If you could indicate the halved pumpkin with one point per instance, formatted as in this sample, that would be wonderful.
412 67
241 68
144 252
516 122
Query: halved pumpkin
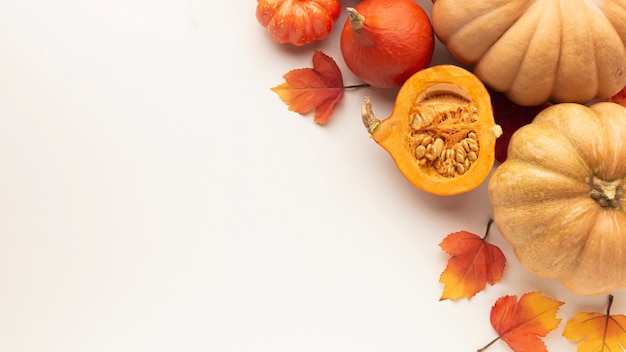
441 133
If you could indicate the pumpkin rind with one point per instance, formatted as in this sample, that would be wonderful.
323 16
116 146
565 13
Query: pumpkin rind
395 133
537 51
541 196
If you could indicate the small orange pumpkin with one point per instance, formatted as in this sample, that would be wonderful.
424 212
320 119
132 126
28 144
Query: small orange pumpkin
441 133
559 200
384 42
298 22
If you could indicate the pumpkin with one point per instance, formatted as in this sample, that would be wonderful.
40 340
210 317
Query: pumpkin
537 51
441 133
298 22
384 42
558 198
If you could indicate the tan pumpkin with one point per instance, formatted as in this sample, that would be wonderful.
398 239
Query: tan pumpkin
535 51
558 198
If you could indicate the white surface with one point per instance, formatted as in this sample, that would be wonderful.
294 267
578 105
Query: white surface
157 196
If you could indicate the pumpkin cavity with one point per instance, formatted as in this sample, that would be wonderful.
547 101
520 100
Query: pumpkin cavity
441 134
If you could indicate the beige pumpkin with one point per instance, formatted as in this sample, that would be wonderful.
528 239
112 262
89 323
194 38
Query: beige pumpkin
558 198
535 51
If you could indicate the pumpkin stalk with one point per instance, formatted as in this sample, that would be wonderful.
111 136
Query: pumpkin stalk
357 21
497 130
606 193
369 120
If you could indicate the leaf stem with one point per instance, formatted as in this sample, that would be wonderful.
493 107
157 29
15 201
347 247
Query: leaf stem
356 86
489 223
607 318
489 344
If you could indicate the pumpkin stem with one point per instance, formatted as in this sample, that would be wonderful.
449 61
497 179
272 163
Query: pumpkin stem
369 120
489 223
497 130
606 193
357 21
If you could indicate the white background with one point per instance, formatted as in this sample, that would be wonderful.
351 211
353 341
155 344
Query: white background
155 195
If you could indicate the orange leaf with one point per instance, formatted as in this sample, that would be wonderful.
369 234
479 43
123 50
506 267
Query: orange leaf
522 324
472 264
597 331
319 88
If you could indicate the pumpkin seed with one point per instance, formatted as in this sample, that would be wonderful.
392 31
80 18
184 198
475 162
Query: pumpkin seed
460 157
420 151
419 138
460 168
438 147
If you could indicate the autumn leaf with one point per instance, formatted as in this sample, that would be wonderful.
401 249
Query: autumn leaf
319 88
597 332
472 264
522 324
619 98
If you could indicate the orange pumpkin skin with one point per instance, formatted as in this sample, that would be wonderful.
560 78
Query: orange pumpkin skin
558 198
298 22
537 51
440 102
393 41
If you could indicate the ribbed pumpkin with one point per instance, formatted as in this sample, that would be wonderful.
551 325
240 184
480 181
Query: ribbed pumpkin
298 22
559 200
535 51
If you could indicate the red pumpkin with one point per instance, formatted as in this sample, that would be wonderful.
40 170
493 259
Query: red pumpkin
384 42
298 22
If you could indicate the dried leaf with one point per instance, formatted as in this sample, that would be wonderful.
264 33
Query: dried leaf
319 88
619 98
510 117
472 264
597 332
523 324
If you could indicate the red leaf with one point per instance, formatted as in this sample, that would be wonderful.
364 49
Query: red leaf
522 324
474 262
619 98
319 88
510 117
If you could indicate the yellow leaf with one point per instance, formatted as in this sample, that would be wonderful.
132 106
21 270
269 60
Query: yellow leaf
597 332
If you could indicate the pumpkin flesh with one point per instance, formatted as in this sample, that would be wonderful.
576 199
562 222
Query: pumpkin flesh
557 198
